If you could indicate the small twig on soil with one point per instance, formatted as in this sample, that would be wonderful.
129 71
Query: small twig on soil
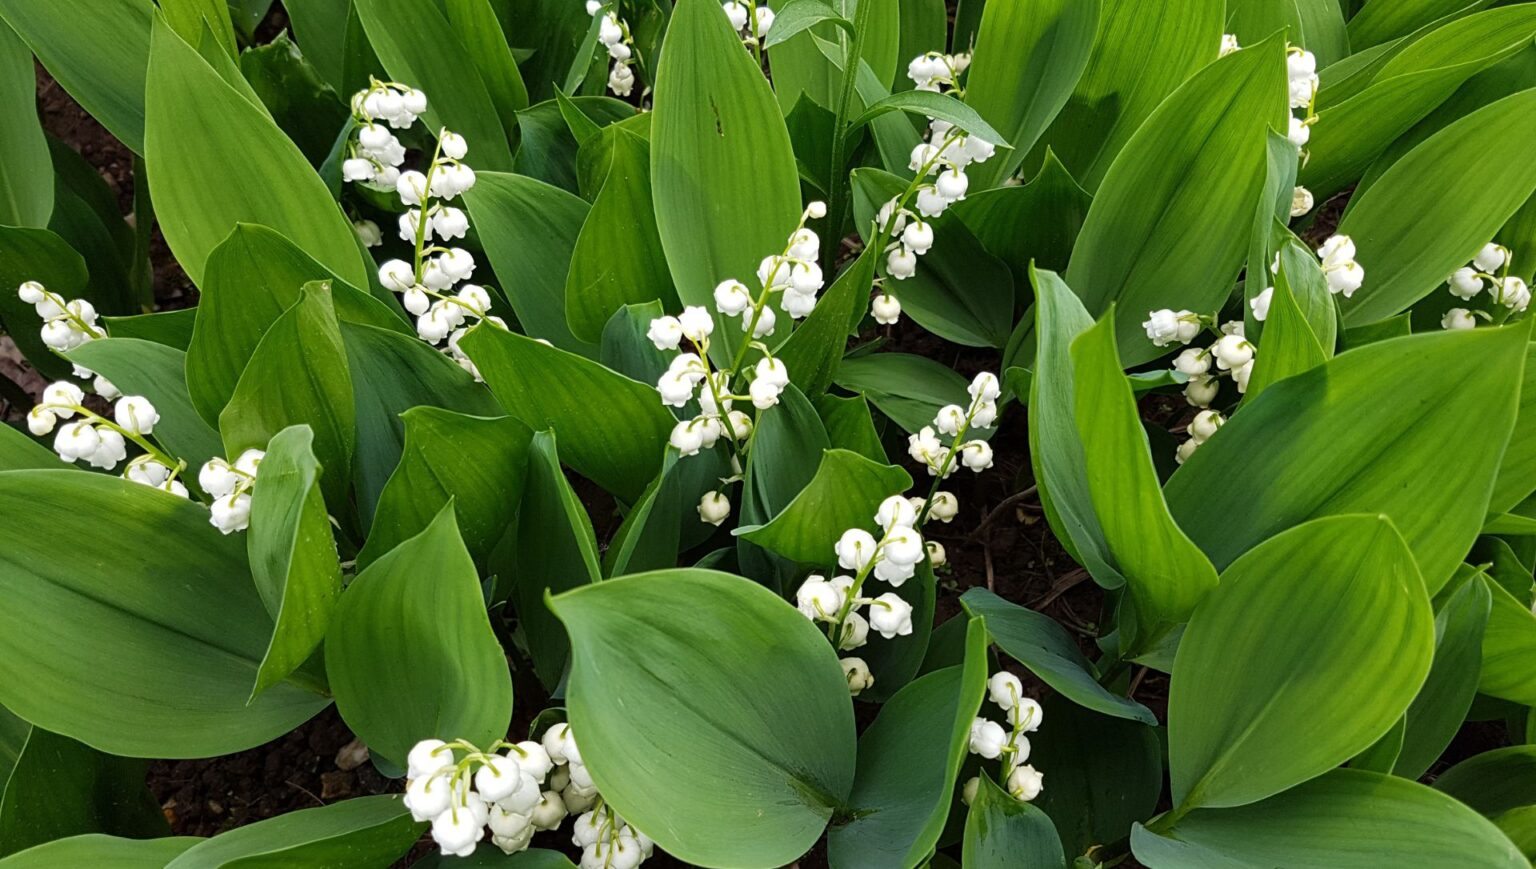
1061 587
305 791
1141 673
998 510
986 557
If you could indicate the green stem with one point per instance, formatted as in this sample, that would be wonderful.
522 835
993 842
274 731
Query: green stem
96 419
841 129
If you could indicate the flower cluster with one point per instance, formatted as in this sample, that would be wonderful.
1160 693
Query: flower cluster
374 155
1200 430
751 20
97 440
1301 69
1343 273
795 276
937 72
432 286
464 791
1489 270
605 840
613 33
956 422
230 484
67 325
991 740
1231 353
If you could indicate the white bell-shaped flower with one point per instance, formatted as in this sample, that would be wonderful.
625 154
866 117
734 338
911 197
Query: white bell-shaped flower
819 600
855 632
855 549
231 513
621 80
687 437
856 672
885 308
1205 424
714 508
890 616
1465 283
457 830
665 332
110 450
1301 201
412 187
1514 293
428 796
737 13
1005 689
549 812
918 237
798 305
901 263
1489 259
1231 351
1240 375
976 455
135 414
1167 326
1201 390
453 145
945 507
1260 304
902 545
931 203
78 440
497 778
766 321
1345 279
1025 783
732 298
896 511
397 275
1028 715
1457 319
696 323
1299 132
988 738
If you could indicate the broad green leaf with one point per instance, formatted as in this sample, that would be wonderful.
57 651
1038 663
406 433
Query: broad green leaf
931 104
1055 450
909 758
1316 25
549 152
420 48
1001 831
474 21
298 374
776 473
666 520
332 37
1251 713
1102 774
171 328
722 170
479 463
350 834
814 351
1289 346
1347 819
144 642
1169 225
36 255
845 493
251 278
1441 705
302 104
155 371
61 788
617 259
292 553
1494 781
19 452
1166 574
798 16
850 425
1509 649
410 651
26 171
216 160
102 64
529 230
1405 259
1379 22
392 373
488 856
556 551
909 389
739 693
618 447
1046 649
1027 62
1143 51
1336 439
94 849
1035 223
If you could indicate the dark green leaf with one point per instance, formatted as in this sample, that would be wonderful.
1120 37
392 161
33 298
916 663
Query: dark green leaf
26 171
61 788
154 371
844 494
352 834
1001 831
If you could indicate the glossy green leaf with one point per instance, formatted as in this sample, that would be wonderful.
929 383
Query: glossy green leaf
1335 440
1027 61
739 693
1509 648
479 463
332 37
845 493
1316 25
931 104
909 759
545 388
418 46
722 170
666 520
26 171
556 551
1035 223
814 351
548 151
1046 649
171 328
410 651
1494 781
850 425
155 371
1347 819
1102 774
292 553
298 374
617 259
146 642
307 109
350 834
101 65
1143 51
776 472
1169 226
1251 713
798 16
1289 344
216 160
1165 573
94 849
1441 705
1001 831
1384 22
61 788
19 452
909 389
1517 470
474 22
1490 188
529 230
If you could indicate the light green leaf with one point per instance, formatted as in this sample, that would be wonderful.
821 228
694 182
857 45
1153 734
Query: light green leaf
1494 781
931 104
1517 470
1384 22
1169 226
1335 440
420 48
475 22
545 388
722 171
292 553
26 171
216 160
94 849
909 389
352 834
1034 223
1289 346
171 328
155 371
146 642
909 758
1290 705
1102 774
1316 25
1166 575
192 18
333 39
844 494
410 652
1509 648
1027 61
738 691
1001 831
19 452
61 788
1441 705
1046 649
797 16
